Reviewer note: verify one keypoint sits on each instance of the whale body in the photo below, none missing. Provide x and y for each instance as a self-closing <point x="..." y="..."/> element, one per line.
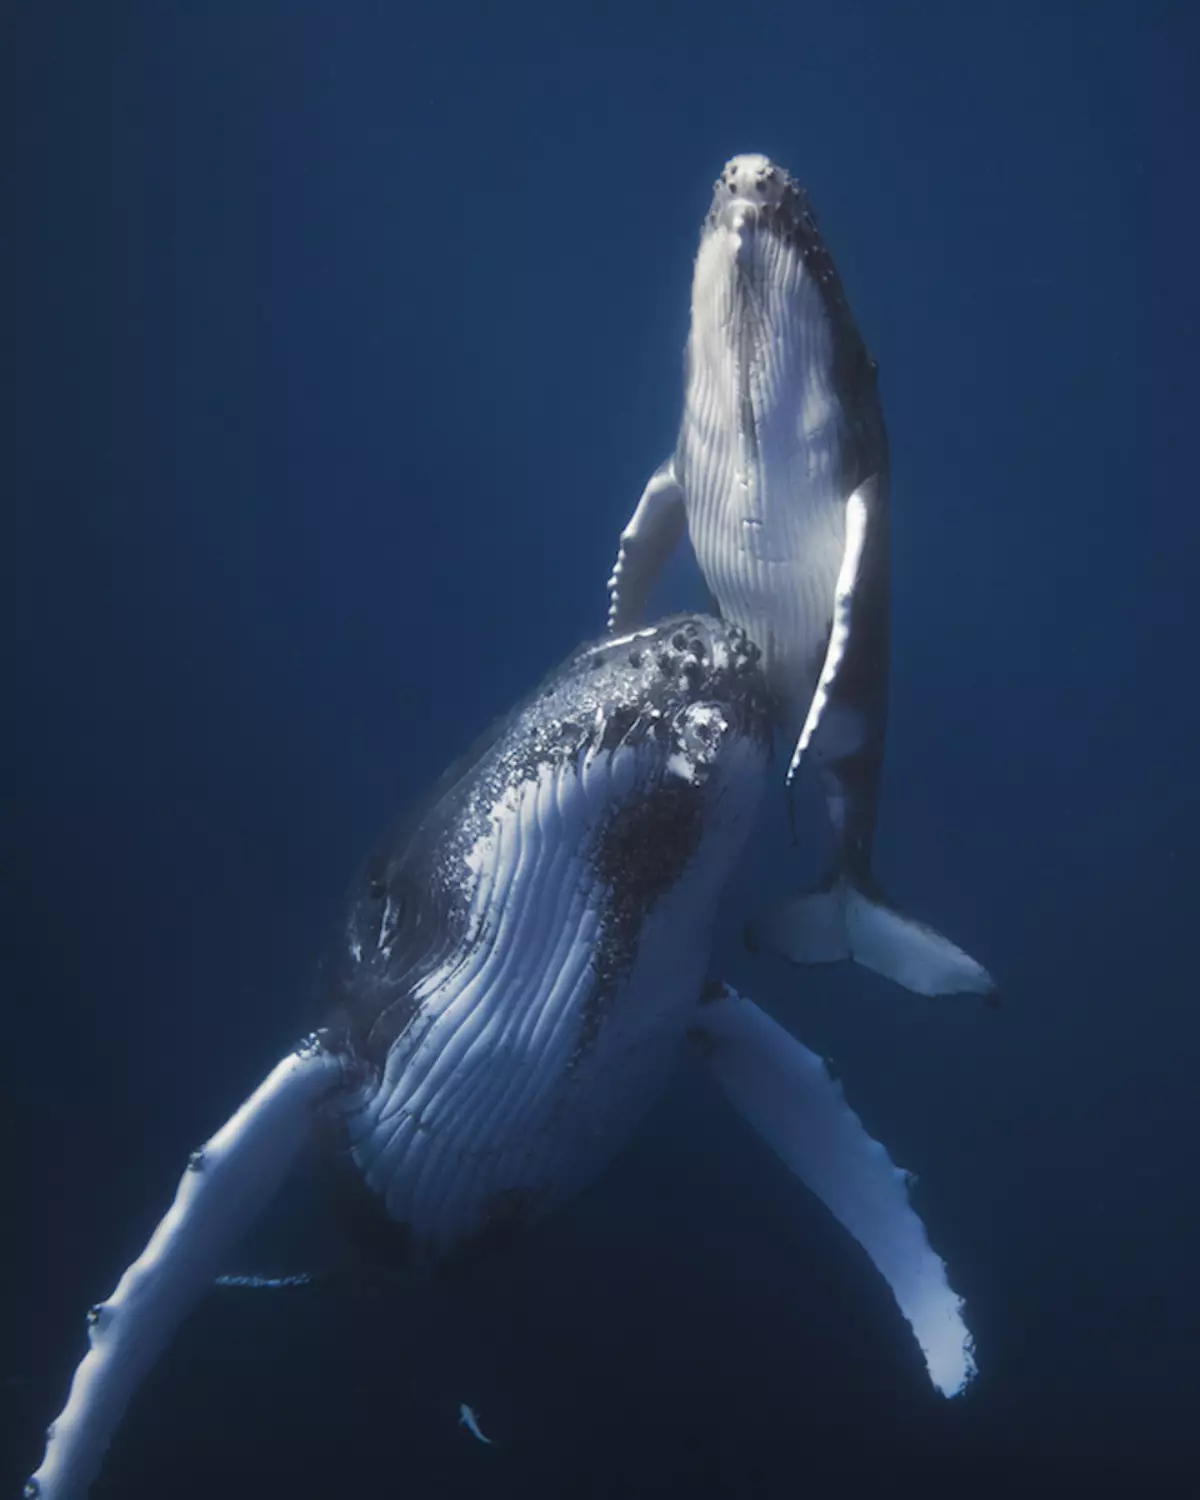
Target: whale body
<point x="522" y="961"/>
<point x="781" y="478"/>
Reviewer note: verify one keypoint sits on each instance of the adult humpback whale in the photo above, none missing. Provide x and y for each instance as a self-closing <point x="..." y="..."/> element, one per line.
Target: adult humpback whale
<point x="521" y="963"/>
<point x="780" y="477"/>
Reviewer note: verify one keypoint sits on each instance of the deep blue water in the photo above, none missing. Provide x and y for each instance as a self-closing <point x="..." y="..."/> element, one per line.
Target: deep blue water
<point x="339" y="343"/>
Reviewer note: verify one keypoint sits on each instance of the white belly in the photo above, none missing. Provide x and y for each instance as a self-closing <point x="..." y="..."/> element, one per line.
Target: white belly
<point x="768" y="532"/>
<point x="762" y="454"/>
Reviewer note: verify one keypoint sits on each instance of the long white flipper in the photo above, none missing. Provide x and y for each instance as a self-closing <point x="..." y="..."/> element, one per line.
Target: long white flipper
<point x="858" y="511"/>
<point x="786" y="1093"/>
<point x="226" y="1184"/>
<point x="653" y="532"/>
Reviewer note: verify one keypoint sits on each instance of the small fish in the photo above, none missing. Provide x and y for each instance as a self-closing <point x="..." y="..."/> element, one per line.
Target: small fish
<point x="468" y="1419"/>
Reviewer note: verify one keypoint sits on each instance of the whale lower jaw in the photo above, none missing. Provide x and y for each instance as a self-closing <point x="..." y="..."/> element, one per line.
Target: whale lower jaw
<point x="764" y="453"/>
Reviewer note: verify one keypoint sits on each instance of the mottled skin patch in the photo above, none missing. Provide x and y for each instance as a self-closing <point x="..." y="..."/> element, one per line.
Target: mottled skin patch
<point x="643" y="849"/>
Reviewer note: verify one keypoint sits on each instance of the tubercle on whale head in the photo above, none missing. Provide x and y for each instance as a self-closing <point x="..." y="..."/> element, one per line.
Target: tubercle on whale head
<point x="761" y="223"/>
<point x="724" y="647"/>
<point x="754" y="190"/>
<point x="694" y="681"/>
<point x="697" y="655"/>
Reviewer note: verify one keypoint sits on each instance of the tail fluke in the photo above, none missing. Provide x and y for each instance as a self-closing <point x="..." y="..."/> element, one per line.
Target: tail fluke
<point x="844" y="922"/>
<point x="227" y="1182"/>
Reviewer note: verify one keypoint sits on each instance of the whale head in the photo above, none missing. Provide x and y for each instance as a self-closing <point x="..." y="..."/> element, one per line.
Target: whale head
<point x="753" y="193"/>
<point x="772" y="336"/>
<point x="760" y="245"/>
<point x="760" y="228"/>
<point x="520" y="961"/>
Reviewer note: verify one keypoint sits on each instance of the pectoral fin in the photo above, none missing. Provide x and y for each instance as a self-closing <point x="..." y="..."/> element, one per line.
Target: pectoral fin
<point x="652" y="534"/>
<point x="848" y="625"/>
<point x="786" y="1093"/>
<point x="226" y="1183"/>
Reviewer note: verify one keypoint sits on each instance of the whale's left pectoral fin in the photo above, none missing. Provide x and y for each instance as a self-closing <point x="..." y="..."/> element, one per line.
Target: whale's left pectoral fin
<point x="786" y="1093"/>
<point x="854" y="627"/>
<point x="227" y="1182"/>
<point x="653" y="533"/>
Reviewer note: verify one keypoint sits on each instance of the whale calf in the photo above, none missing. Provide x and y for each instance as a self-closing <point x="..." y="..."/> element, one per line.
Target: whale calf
<point x="521" y="963"/>
<point x="780" y="477"/>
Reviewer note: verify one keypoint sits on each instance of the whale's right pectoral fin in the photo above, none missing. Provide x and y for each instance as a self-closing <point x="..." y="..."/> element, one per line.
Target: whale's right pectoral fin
<point x="787" y="1094"/>
<point x="651" y="536"/>
<point x="227" y="1182"/>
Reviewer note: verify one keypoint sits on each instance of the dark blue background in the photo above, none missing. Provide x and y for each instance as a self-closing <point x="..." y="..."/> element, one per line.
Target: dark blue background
<point x="339" y="341"/>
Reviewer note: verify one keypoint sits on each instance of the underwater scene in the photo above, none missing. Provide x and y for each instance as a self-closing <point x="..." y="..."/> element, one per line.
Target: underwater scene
<point x="601" y="807"/>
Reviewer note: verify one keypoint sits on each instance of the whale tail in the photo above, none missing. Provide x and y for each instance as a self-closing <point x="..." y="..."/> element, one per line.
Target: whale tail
<point x="843" y="921"/>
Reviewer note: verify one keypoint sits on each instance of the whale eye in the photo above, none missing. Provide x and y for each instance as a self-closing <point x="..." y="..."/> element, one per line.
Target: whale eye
<point x="636" y="658"/>
<point x="377" y="889"/>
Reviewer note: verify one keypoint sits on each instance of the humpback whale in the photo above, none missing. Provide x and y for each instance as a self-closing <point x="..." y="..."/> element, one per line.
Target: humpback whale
<point x="521" y="962"/>
<point x="780" y="477"/>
